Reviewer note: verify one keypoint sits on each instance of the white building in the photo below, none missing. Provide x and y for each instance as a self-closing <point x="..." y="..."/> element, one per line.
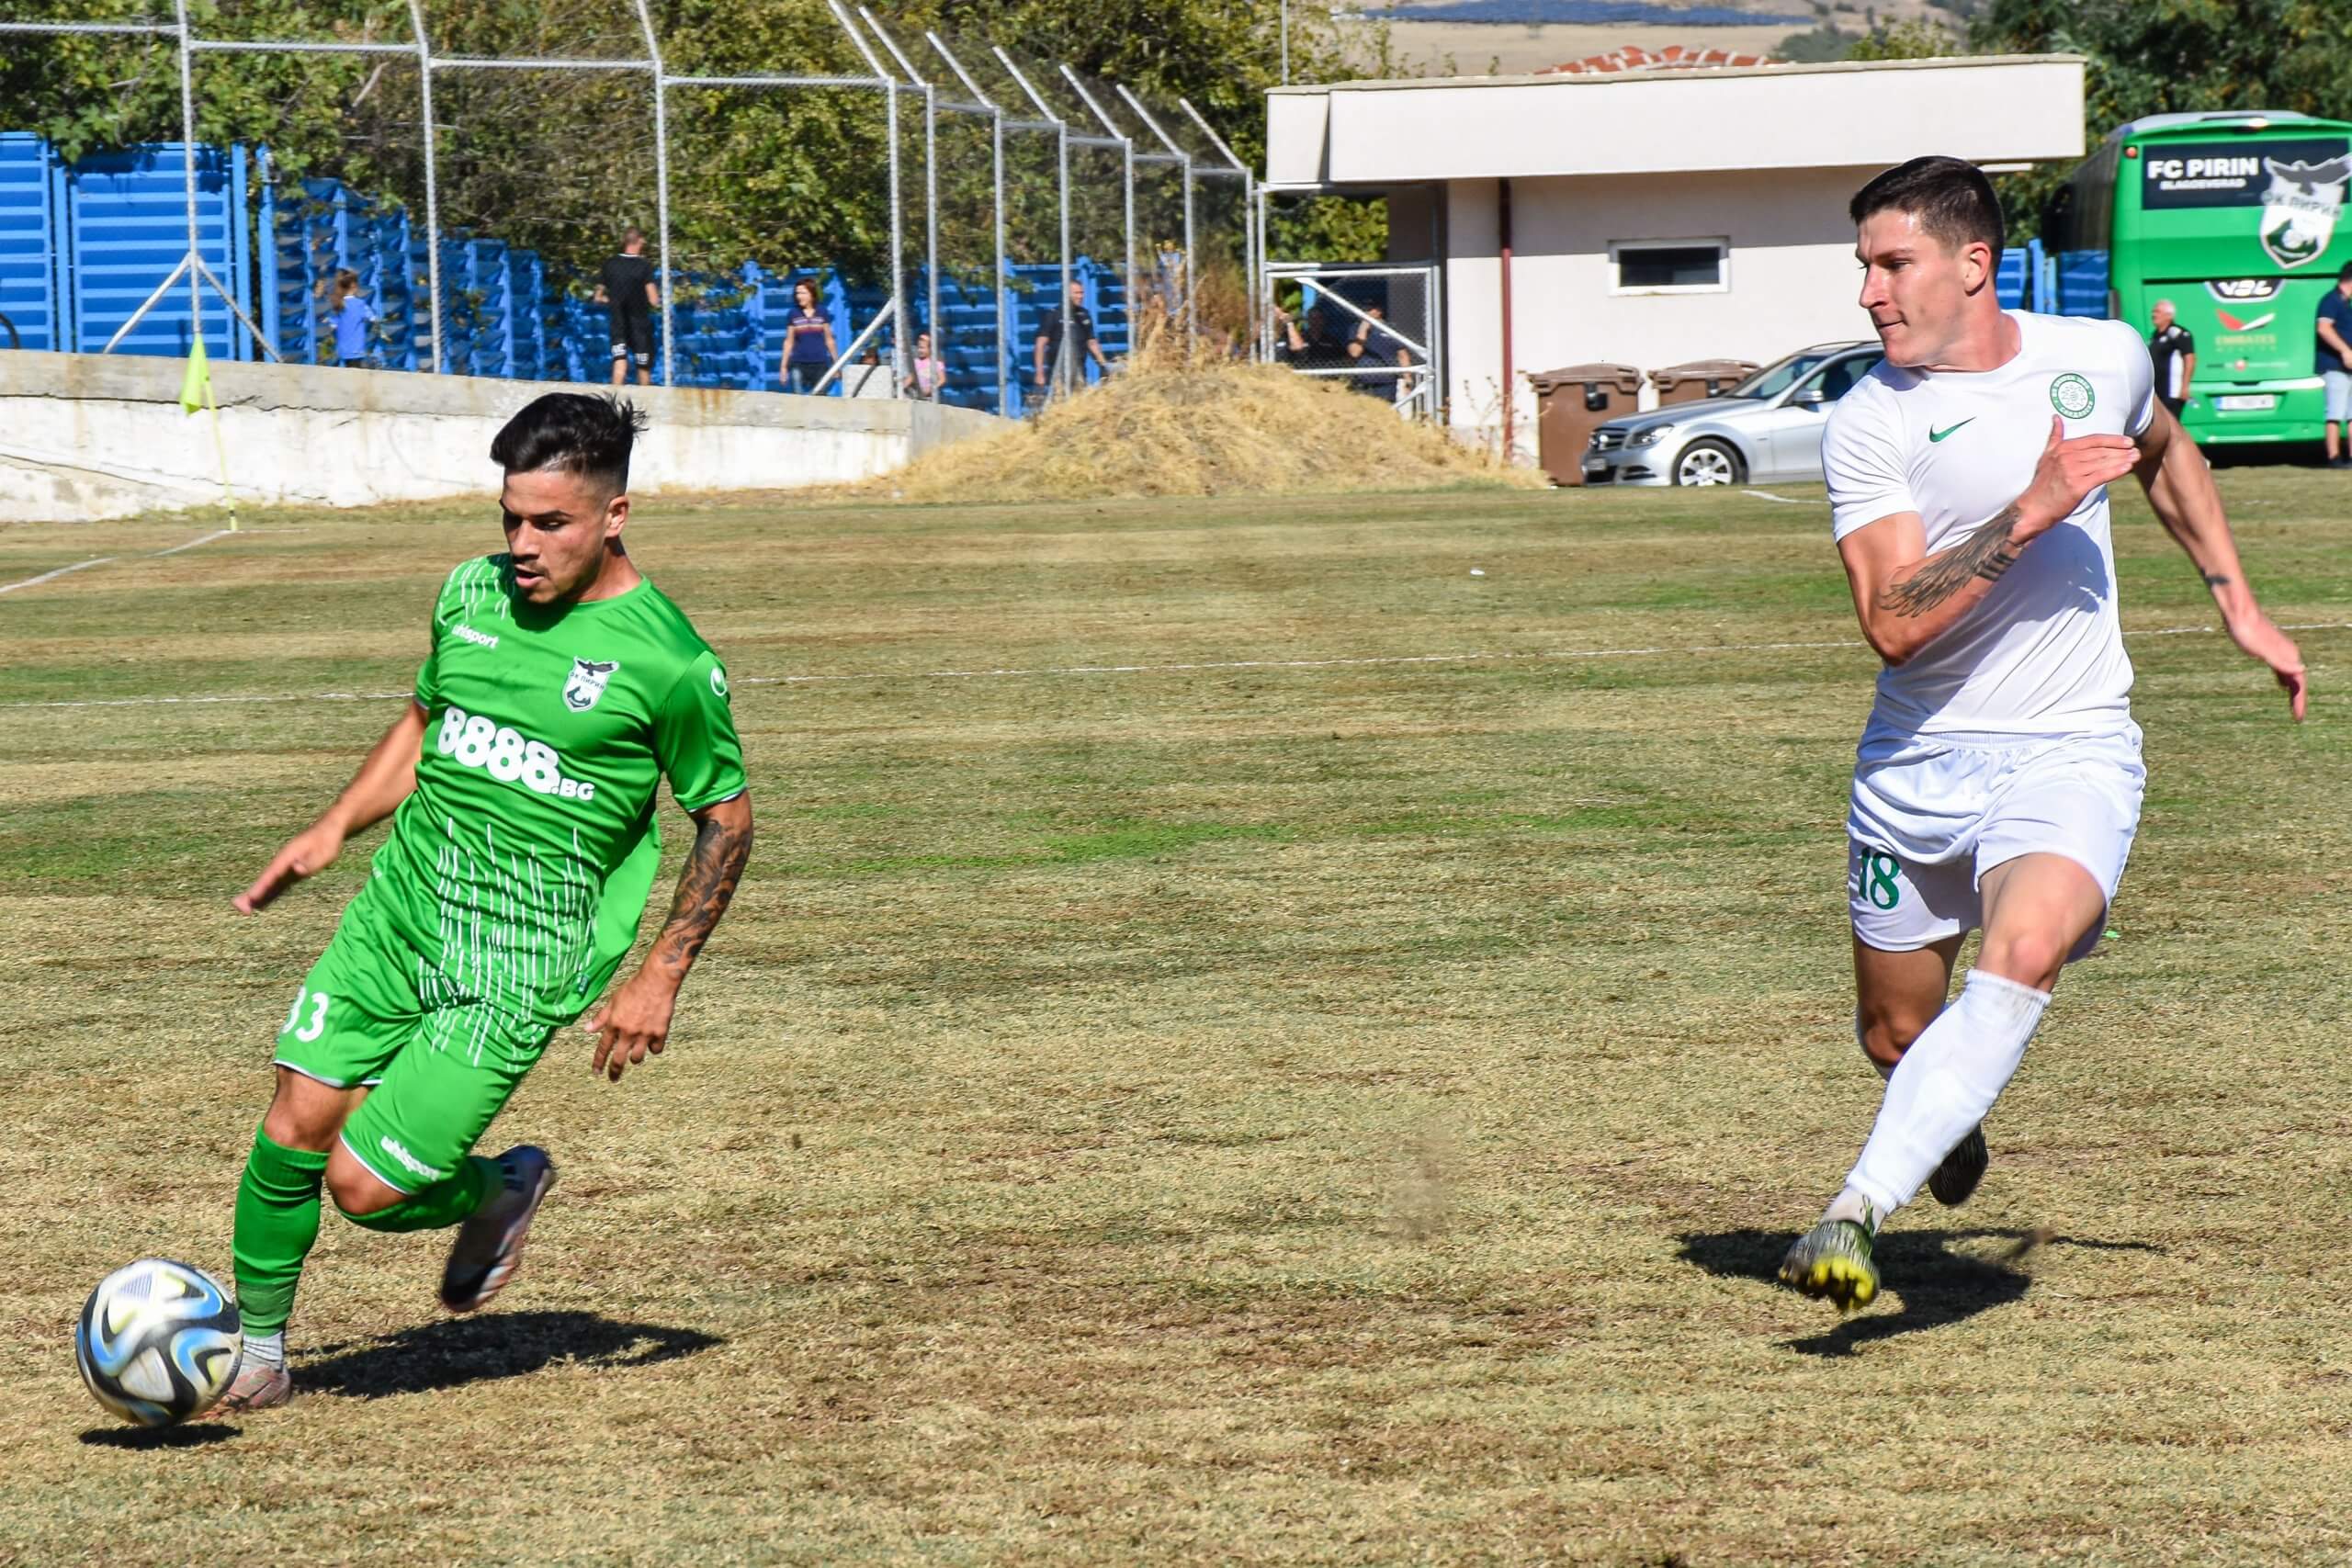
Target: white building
<point x="1649" y="217"/>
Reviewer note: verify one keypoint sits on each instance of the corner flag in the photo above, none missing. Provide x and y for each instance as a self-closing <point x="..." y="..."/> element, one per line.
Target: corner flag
<point x="195" y="387"/>
<point x="195" y="395"/>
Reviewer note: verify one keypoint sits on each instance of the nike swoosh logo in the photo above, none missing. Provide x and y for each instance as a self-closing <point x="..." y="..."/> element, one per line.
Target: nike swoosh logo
<point x="1939" y="434"/>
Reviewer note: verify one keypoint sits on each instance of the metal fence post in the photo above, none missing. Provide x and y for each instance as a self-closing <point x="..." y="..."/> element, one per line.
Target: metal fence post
<point x="661" y="192"/>
<point x="432" y="186"/>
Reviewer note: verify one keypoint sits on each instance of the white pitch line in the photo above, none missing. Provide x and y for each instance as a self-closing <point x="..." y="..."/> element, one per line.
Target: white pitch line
<point x="1694" y="650"/>
<point x="1784" y="499"/>
<point x="52" y="576"/>
<point x="216" y="534"/>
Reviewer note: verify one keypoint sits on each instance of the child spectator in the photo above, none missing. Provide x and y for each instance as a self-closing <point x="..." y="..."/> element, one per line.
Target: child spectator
<point x="353" y="316"/>
<point x="930" y="372"/>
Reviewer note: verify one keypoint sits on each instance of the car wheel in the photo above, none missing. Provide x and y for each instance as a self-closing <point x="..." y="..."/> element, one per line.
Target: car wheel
<point x="1708" y="462"/>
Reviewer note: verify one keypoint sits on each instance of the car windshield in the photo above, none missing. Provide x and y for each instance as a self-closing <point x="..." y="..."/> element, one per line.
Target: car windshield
<point x="1774" y="379"/>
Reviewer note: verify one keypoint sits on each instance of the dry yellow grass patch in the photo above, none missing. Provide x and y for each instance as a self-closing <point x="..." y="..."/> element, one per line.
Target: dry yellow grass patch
<point x="1173" y="424"/>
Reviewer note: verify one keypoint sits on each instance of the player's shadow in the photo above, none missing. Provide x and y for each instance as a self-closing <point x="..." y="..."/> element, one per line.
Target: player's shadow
<point x="453" y="1352"/>
<point x="146" y="1438"/>
<point x="1937" y="1285"/>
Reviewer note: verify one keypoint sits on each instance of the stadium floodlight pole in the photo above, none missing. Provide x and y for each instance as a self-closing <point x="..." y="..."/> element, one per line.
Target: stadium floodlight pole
<point x="930" y="191"/>
<point x="661" y="192"/>
<point x="432" y="185"/>
<point x="1000" y="289"/>
<point x="1064" y="367"/>
<point x="898" y="238"/>
<point x="1126" y="190"/>
<point x="1192" y="290"/>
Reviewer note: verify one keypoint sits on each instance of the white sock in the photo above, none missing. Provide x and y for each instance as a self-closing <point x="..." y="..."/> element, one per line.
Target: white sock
<point x="267" y="1348"/>
<point x="1945" y="1084"/>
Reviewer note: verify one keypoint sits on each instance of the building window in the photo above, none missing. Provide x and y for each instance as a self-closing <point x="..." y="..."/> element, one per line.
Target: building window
<point x="1669" y="267"/>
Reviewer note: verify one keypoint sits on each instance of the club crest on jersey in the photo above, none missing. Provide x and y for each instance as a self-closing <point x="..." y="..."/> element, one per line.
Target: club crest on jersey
<point x="2070" y="395"/>
<point x="589" y="677"/>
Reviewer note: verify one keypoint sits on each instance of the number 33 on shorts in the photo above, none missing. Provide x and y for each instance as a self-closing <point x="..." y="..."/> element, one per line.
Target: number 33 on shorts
<point x="307" y="1019"/>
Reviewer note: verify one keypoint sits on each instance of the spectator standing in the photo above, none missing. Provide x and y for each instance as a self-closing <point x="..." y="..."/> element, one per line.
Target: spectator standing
<point x="353" y="317"/>
<point x="1072" y="326"/>
<point x="2334" y="356"/>
<point x="2174" y="351"/>
<point x="808" y="350"/>
<point x="930" y="372"/>
<point x="625" y="286"/>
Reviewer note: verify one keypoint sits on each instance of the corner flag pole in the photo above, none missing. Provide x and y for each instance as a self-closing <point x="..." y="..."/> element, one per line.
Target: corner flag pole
<point x="196" y="392"/>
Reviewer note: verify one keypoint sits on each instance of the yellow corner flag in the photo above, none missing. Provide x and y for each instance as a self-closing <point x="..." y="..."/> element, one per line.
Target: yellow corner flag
<point x="195" y="395"/>
<point x="195" y="387"/>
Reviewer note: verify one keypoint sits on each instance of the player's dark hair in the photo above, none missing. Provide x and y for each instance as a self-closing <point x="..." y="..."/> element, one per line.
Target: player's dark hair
<point x="577" y="433"/>
<point x="1950" y="196"/>
<point x="2343" y="273"/>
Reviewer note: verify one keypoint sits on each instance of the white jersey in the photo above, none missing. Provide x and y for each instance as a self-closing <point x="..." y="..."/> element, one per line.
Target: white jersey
<point x="2043" y="653"/>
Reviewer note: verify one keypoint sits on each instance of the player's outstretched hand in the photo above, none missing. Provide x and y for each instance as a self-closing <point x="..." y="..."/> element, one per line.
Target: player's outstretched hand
<point x="307" y="853"/>
<point x="2071" y="469"/>
<point x="631" y="1023"/>
<point x="2256" y="635"/>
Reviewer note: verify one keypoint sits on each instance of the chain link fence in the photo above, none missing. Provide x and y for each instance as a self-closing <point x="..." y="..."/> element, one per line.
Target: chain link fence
<point x="963" y="217"/>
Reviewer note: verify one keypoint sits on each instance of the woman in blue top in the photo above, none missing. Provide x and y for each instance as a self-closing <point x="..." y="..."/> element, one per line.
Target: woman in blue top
<point x="353" y="317"/>
<point x="809" y="348"/>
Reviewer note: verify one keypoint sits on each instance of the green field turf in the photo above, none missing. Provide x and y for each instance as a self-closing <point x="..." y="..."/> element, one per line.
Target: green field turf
<point x="1327" y="1081"/>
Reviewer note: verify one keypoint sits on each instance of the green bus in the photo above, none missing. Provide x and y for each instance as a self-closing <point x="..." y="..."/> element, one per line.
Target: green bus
<point x="2234" y="219"/>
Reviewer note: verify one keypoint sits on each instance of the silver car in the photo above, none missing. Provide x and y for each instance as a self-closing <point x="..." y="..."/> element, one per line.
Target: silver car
<point x="1766" y="429"/>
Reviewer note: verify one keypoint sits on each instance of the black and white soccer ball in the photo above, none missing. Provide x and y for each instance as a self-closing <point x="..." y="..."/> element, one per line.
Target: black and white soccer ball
<point x="158" y="1342"/>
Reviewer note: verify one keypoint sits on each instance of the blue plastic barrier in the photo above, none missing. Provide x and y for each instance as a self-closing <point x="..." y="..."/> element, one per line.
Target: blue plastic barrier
<point x="33" y="199"/>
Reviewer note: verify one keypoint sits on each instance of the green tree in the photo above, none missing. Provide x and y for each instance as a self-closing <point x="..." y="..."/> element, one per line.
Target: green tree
<point x="2163" y="56"/>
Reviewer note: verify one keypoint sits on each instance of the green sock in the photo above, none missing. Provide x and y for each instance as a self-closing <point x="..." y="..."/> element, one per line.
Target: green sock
<point x="278" y="1219"/>
<point x="445" y="1202"/>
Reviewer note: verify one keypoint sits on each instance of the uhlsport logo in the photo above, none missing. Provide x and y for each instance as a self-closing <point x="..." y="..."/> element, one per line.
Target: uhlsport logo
<point x="398" y="1151"/>
<point x="485" y="639"/>
<point x="2299" y="210"/>
<point x="718" y="682"/>
<point x="587" y="683"/>
<point x="2070" y="395"/>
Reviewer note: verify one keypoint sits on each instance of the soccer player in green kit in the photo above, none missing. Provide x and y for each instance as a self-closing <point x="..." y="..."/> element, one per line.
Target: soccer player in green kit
<point x="560" y="688"/>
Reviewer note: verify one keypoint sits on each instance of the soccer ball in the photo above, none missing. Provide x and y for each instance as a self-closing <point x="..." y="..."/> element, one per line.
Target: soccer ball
<point x="158" y="1341"/>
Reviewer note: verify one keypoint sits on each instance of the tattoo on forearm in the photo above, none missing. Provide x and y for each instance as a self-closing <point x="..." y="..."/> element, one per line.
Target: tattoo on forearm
<point x="2217" y="579"/>
<point x="1985" y="553"/>
<point x="713" y="867"/>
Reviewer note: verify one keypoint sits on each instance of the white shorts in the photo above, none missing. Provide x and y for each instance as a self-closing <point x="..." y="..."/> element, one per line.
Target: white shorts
<point x="1929" y="819"/>
<point x="2339" y="385"/>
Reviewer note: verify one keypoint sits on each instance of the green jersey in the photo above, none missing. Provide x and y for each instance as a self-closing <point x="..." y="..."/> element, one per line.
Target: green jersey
<point x="517" y="870"/>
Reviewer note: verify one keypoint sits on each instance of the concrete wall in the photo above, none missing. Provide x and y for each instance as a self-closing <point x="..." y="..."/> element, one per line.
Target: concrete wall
<point x="85" y="436"/>
<point x="1791" y="270"/>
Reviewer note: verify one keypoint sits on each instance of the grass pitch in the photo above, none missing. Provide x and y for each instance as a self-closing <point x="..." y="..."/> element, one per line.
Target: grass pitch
<point x="1243" y="1040"/>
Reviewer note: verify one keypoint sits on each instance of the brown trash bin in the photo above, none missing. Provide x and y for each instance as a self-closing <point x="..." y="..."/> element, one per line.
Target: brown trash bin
<point x="1570" y="403"/>
<point x="1699" y="379"/>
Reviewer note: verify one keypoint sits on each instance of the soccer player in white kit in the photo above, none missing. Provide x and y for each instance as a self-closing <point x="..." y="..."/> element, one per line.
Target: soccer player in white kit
<point x="1998" y="780"/>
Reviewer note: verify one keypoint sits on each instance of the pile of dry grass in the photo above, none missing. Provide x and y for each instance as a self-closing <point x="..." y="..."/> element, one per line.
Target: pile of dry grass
<point x="1174" y="422"/>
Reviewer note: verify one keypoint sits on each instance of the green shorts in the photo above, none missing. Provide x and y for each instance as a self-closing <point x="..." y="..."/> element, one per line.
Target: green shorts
<point x="436" y="1076"/>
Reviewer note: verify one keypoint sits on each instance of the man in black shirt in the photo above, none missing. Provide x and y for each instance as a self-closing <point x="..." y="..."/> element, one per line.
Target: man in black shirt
<point x="1081" y="338"/>
<point x="625" y="285"/>
<point x="2175" y="353"/>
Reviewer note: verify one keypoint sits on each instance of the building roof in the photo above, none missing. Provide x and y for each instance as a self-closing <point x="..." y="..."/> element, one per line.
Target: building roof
<point x="1720" y="119"/>
<point x="1673" y="57"/>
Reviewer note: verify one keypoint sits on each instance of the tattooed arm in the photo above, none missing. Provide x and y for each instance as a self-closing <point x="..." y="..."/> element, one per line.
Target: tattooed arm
<point x="1906" y="598"/>
<point x="635" y="1020"/>
<point x="2186" y="501"/>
